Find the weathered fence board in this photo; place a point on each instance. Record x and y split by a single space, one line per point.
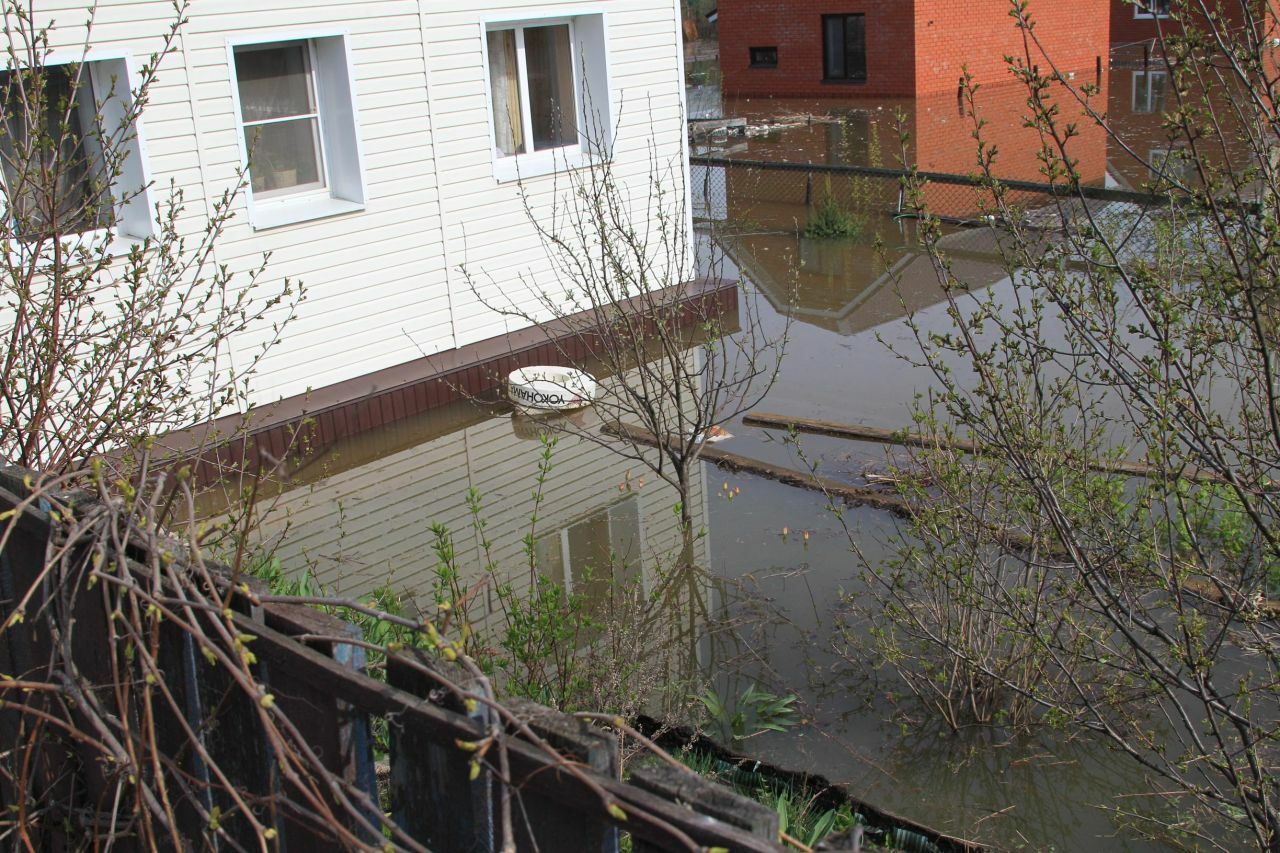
562 780
704 797
433 796
341 736
542 823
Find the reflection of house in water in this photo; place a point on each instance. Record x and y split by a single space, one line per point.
361 512
848 286
938 138
1141 94
938 134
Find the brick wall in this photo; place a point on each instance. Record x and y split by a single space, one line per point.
914 47
952 37
1127 29
795 28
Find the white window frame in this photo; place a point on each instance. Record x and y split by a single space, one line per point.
1143 12
1133 100
1158 158
566 558
134 222
574 155
340 144
319 188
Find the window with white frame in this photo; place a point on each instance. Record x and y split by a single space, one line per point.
1151 9
71 155
1148 91
297 129
1172 164
548 93
595 553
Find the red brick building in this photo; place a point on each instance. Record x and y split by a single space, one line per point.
912 48
1133 22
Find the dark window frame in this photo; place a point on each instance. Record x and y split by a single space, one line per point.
853 64
760 56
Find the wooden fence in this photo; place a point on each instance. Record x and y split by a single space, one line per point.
322 686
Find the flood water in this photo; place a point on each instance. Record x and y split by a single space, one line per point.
1021 794
360 515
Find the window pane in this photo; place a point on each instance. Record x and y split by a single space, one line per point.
284 156
1141 101
1156 88
624 540
549 63
274 82
53 181
855 48
833 47
590 563
508 123
549 556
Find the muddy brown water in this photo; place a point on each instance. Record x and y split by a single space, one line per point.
360 514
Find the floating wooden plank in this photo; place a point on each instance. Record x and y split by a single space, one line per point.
904 438
824 794
790 476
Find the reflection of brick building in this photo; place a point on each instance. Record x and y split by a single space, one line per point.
939 138
837 48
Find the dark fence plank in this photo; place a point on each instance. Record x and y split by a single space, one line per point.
651 817
341 736
433 797
236 742
704 797
541 823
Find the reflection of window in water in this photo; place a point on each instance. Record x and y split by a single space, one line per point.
848 140
1173 164
594 552
1148 91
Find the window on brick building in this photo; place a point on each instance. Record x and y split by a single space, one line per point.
764 57
1151 9
1148 91
844 48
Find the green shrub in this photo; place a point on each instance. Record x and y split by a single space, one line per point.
830 221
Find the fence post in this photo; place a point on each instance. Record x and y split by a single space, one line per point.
340 735
541 823
433 797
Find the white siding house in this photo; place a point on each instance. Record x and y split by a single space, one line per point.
380 161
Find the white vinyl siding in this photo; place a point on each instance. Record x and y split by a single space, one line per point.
383 286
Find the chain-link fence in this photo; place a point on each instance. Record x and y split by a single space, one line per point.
819 199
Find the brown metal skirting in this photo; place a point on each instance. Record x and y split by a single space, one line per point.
348 408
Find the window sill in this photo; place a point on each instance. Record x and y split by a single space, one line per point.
522 166
276 214
840 81
90 245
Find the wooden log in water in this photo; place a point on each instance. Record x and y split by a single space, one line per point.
860 432
1009 538
790 476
